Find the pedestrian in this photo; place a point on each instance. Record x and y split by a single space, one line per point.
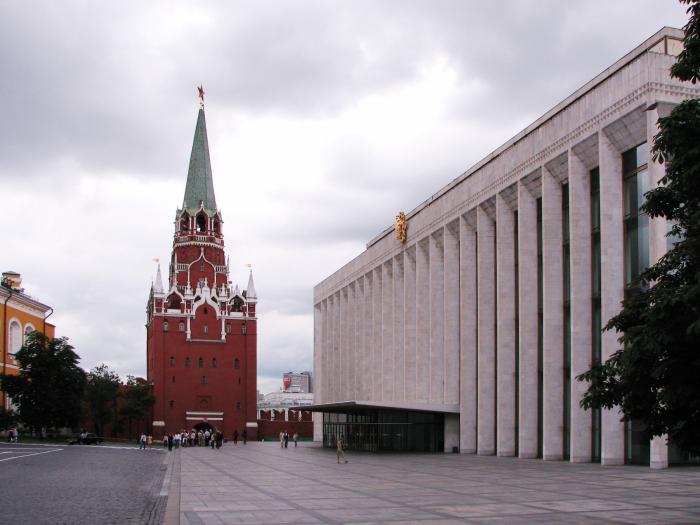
149 441
176 440
165 440
193 440
286 439
207 437
244 435
170 442
11 435
281 438
339 452
142 442
235 437
212 440
295 437
219 439
200 438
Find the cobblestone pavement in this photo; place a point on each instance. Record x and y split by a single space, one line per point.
78 485
261 483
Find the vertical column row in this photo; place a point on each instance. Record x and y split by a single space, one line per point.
399 348
437 318
387 356
528 323
352 344
422 321
410 326
468 336
553 318
376 369
486 353
581 315
612 282
451 308
505 322
368 330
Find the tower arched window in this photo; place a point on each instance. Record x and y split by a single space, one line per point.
228 328
185 223
28 329
181 326
202 222
204 380
165 326
206 329
236 363
200 363
15 337
187 362
213 362
172 361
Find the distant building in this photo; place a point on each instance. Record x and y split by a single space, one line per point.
297 382
21 315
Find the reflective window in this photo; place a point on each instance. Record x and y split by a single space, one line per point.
172 361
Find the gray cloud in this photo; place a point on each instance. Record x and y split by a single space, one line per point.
99 109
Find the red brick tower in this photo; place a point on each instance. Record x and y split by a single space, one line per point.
201 330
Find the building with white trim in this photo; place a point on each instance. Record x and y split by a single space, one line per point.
469 335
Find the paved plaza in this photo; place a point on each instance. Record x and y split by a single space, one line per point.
261 483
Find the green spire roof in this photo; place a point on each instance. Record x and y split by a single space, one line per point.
200 184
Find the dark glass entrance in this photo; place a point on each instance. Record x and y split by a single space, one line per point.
385 431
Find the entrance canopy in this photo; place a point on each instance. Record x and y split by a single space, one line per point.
365 406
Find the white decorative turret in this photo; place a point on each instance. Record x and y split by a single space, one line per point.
251 296
158 285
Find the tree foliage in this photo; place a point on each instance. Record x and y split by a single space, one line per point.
655 377
138 400
49 387
101 390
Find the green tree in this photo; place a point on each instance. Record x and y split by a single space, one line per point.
101 389
654 376
49 387
138 401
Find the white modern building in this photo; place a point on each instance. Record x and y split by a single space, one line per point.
469 335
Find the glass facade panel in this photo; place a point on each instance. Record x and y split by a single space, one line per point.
636 250
385 431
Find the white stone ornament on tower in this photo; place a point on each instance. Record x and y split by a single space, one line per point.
158 285
251 296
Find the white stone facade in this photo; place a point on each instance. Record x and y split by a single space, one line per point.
450 319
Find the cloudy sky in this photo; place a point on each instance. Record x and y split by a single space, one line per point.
325 118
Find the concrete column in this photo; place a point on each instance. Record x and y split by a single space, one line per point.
368 338
451 432
387 377
422 321
658 227
342 357
337 346
377 286
505 322
318 346
352 343
328 350
399 358
612 283
437 317
451 308
581 285
528 413
467 336
553 315
486 339
409 327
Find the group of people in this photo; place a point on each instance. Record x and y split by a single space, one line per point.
284 439
193 438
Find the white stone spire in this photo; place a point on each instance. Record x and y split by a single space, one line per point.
158 285
250 292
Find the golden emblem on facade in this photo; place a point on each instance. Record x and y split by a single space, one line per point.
401 227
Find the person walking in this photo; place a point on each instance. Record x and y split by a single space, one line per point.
142 442
212 440
295 437
149 441
235 437
176 440
286 439
281 438
340 453
170 442
244 435
207 437
219 439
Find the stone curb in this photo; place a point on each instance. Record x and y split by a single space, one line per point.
171 484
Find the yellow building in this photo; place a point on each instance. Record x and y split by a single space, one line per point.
20 315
